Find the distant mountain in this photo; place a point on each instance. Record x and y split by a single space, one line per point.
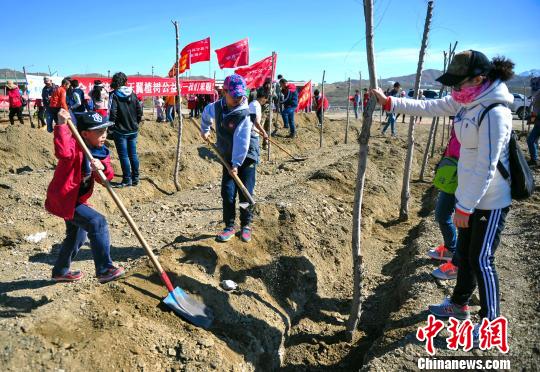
533 72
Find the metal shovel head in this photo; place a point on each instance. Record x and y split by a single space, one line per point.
188 308
299 158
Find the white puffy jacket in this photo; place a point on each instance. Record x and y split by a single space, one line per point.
480 184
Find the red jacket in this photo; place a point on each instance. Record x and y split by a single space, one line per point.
15 99
58 98
63 191
318 103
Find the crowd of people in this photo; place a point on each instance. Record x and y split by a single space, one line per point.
471 212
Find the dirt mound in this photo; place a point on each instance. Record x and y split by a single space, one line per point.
295 277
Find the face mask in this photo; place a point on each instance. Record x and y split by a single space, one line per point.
468 94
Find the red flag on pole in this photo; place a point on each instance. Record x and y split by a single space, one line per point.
233 55
304 97
200 51
257 73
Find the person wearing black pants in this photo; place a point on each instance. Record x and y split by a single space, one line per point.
483 125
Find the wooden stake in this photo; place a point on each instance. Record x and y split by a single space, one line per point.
270 103
405 191
356 305
322 111
426 153
180 119
348 106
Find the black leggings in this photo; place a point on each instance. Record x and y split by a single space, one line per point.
15 111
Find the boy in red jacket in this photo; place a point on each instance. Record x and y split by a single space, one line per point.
71 187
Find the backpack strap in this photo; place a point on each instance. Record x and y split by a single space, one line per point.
500 166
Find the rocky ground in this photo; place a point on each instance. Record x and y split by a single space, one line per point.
295 277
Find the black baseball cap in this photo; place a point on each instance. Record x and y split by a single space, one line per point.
91 121
467 64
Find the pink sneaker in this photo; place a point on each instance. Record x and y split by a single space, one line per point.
246 234
440 253
70 276
111 274
446 271
226 234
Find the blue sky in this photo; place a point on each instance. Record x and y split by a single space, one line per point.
308 35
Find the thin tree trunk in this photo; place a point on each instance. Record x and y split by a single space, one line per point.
270 103
405 190
180 119
322 111
434 136
426 153
348 108
356 305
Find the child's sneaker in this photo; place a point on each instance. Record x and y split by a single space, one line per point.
226 235
448 309
246 234
70 276
440 253
111 274
446 271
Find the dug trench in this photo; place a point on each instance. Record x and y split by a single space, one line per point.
295 277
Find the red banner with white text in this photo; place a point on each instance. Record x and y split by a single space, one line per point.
148 86
258 72
304 97
198 51
233 55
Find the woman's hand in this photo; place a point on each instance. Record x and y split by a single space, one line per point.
205 136
63 116
379 94
233 172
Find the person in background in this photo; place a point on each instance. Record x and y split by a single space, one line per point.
391 122
15 102
126 113
267 106
158 103
58 99
239 146
68 193
75 98
46 94
255 112
444 211
38 104
277 90
100 97
321 105
169 108
290 103
365 98
483 195
532 138
356 103
192 105
402 94
201 102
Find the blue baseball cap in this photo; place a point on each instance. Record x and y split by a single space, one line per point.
235 85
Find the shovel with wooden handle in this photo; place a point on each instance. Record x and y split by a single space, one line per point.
235 177
295 158
179 301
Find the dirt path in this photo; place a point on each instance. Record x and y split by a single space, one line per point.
294 278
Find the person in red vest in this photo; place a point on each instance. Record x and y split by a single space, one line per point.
366 98
321 104
15 102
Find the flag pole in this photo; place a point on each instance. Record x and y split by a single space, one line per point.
270 103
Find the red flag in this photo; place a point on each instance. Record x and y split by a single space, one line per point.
304 97
199 50
233 55
184 65
257 72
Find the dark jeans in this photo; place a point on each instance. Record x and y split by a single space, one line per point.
49 119
443 215
476 249
169 113
85 222
288 119
532 141
319 116
356 109
15 111
126 146
247 174
390 123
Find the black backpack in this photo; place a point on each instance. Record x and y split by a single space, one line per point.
522 180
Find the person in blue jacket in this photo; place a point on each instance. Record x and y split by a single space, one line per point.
238 145
290 103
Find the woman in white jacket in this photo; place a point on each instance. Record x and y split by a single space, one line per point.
483 194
